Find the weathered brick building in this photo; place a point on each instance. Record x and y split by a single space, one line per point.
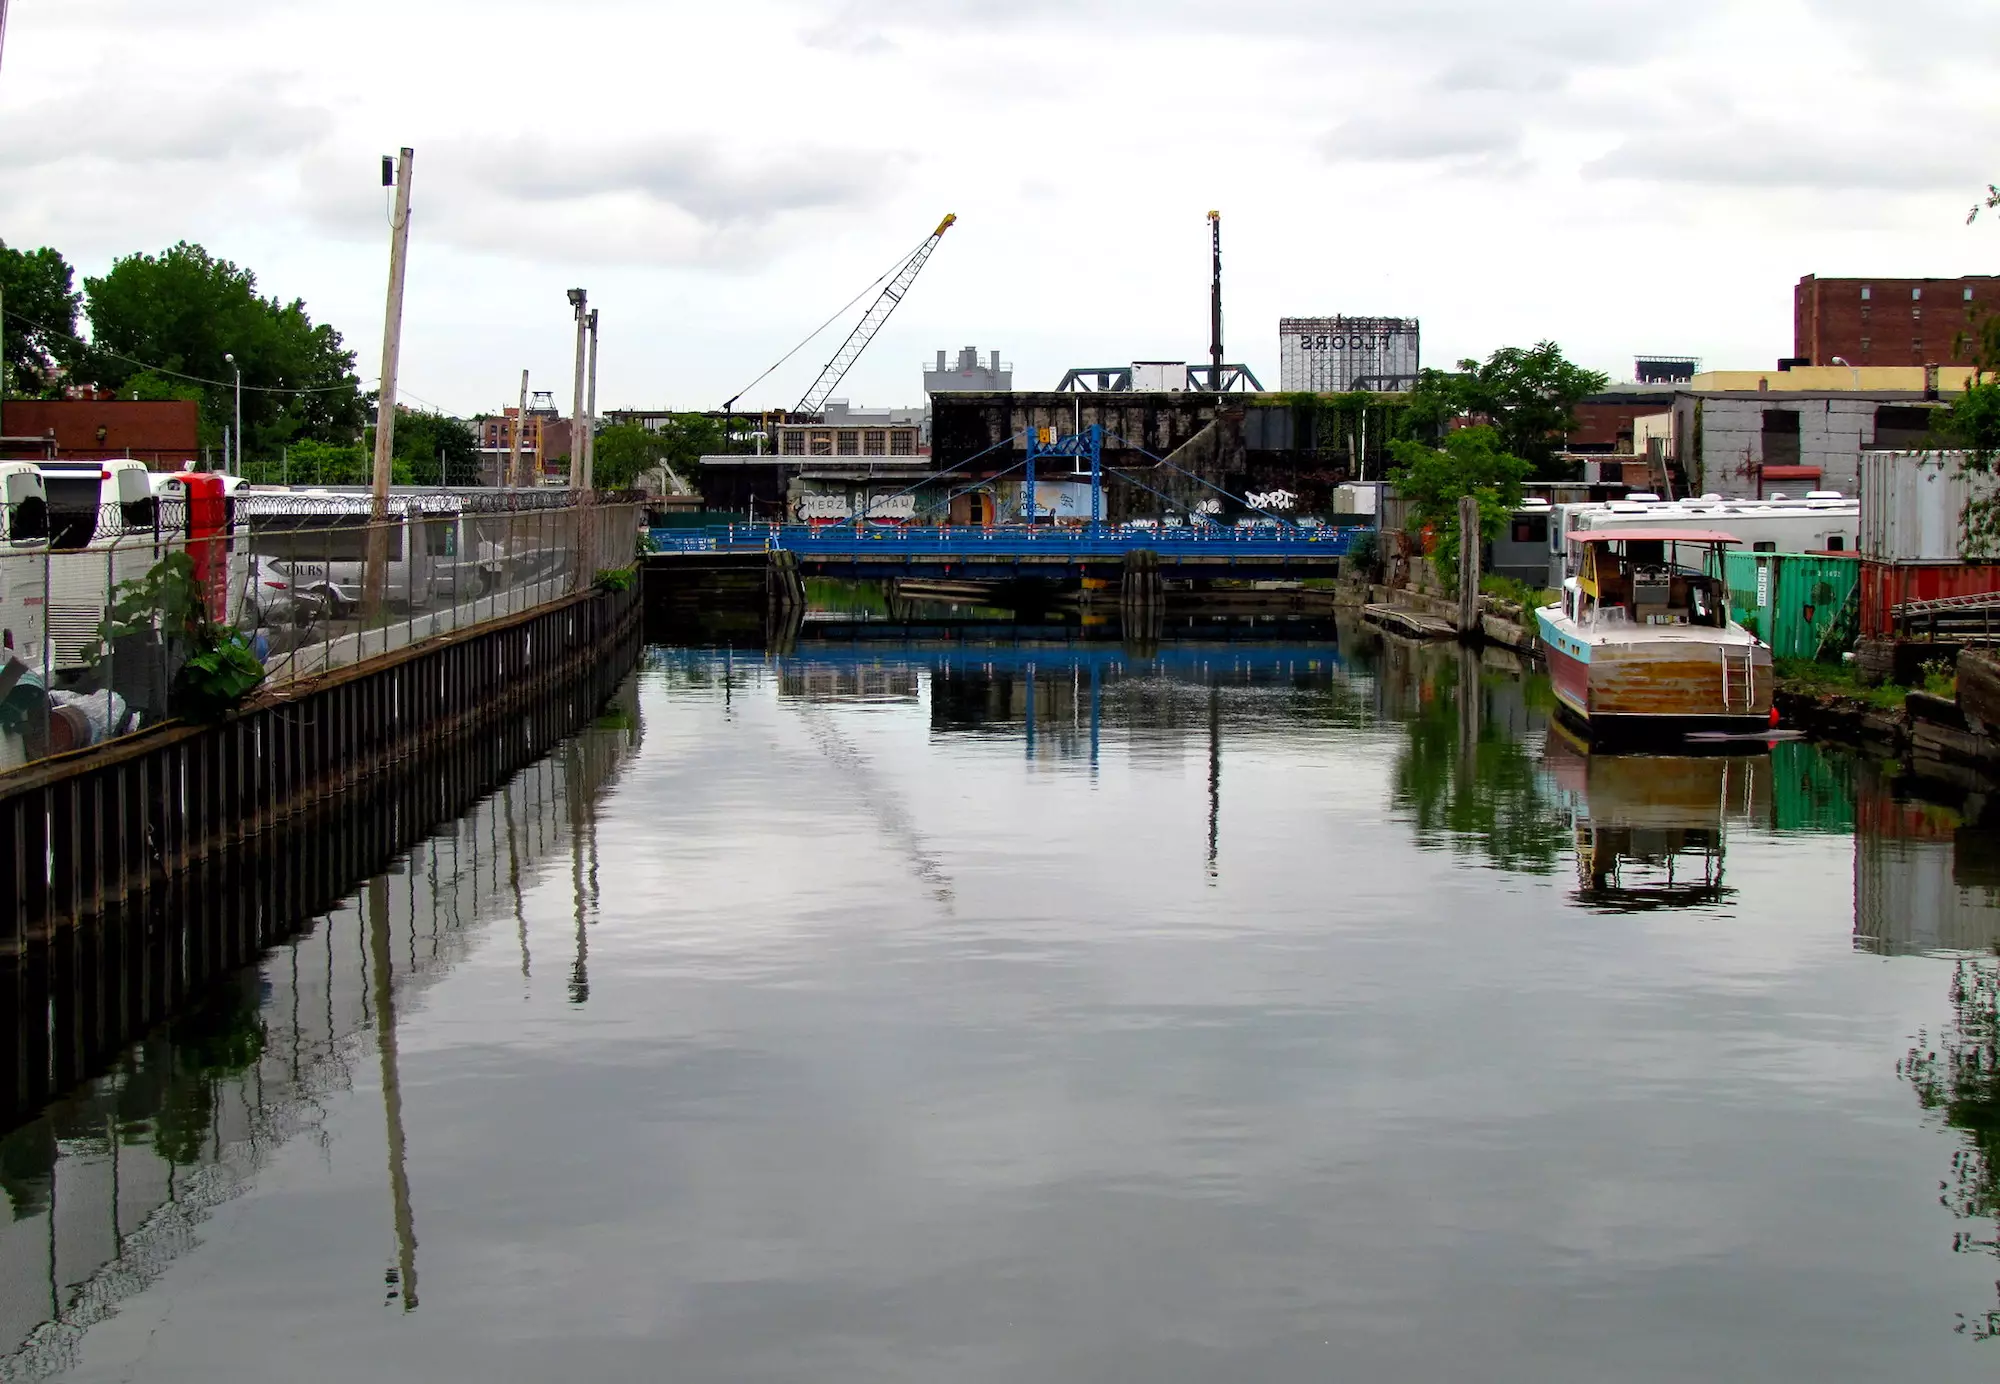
163 434
1888 321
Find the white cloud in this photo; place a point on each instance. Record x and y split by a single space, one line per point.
722 177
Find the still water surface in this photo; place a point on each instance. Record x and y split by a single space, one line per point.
1225 1010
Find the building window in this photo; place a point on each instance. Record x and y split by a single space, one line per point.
1867 293
1916 294
1864 343
1916 314
902 444
850 443
1836 543
1781 437
877 444
1968 295
794 442
822 444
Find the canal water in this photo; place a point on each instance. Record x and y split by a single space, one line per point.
933 1003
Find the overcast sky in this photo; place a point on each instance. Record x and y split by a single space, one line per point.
1622 178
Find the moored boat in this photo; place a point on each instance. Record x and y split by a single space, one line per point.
1642 643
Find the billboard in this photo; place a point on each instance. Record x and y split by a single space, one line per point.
1333 355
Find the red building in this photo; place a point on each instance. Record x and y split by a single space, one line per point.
164 435
1888 321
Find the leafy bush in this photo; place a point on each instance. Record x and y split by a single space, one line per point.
1528 598
616 578
218 667
1435 479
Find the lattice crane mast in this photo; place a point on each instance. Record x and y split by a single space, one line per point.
871 322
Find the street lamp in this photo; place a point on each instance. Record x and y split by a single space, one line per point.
229 359
578 300
1842 360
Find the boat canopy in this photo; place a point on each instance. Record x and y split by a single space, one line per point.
1588 537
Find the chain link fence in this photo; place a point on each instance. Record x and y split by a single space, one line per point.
175 608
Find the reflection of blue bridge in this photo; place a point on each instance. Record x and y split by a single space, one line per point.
1006 553
1191 662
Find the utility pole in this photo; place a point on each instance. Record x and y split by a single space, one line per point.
590 433
579 300
520 426
1215 304
397 176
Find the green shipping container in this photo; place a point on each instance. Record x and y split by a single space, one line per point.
1791 601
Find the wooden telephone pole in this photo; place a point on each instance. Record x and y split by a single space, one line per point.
385 410
520 426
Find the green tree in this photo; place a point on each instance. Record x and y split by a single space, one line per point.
624 452
1528 394
436 449
156 319
1972 423
39 289
1473 462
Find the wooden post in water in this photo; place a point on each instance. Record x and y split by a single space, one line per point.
1468 568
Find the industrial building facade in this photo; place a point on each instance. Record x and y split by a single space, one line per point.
1337 355
1889 321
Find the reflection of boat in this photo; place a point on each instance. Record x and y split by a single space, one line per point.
1649 828
1641 642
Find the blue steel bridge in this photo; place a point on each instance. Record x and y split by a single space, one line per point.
1272 547
1011 552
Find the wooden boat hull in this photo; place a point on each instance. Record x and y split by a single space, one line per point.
1640 687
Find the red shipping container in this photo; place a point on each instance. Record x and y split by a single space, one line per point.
1886 585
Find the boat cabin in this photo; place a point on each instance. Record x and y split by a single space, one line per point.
1649 577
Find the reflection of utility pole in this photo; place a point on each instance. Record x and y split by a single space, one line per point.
403 1278
579 972
1214 778
514 875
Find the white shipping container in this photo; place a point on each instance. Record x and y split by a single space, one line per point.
1153 376
1336 355
1913 506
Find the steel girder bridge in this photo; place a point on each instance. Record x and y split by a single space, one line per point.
1271 547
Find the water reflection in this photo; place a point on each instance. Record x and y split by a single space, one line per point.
1467 779
1073 1006
113 1180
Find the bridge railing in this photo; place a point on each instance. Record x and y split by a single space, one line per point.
1080 541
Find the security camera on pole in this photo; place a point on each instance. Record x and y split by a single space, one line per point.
579 300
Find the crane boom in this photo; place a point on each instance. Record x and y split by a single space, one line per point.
871 322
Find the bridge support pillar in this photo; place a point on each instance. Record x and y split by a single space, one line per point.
786 589
1141 587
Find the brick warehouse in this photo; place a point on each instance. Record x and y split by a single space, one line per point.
1889 321
163 434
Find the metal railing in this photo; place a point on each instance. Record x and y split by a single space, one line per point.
288 577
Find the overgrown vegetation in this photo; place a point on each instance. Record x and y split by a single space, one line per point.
1528 598
616 578
162 327
169 606
1826 679
1471 461
1972 423
1528 395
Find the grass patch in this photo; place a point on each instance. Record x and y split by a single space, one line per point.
1527 597
1838 680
